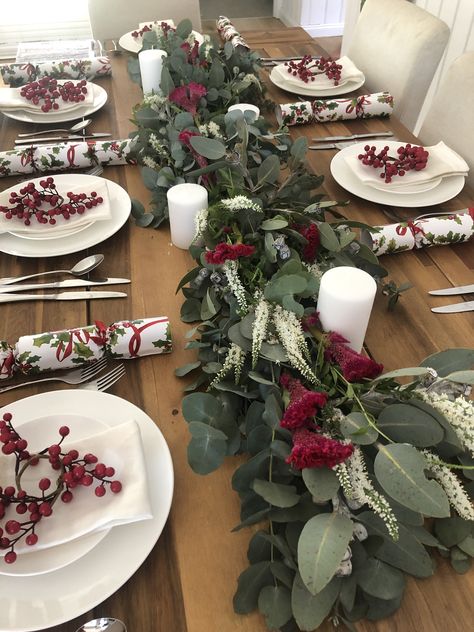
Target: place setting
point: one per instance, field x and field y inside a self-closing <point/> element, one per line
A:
<point x="51" y="100"/>
<point x="317" y="76"/>
<point x="133" y="41"/>
<point x="396" y="173"/>
<point x="52" y="216"/>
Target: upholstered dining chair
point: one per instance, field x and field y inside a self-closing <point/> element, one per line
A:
<point x="450" y="117"/>
<point x="112" y="18"/>
<point x="398" y="47"/>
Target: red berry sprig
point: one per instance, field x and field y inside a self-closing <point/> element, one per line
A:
<point x="73" y="470"/>
<point x="307" y="68"/>
<point x="164" y="26"/>
<point x="30" y="201"/>
<point x="48" y="91"/>
<point x="409" y="157"/>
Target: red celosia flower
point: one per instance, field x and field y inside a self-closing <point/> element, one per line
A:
<point x="311" y="320"/>
<point x="354" y="366"/>
<point x="304" y="404"/>
<point x="187" y="97"/>
<point x="192" y="52"/>
<point x="311" y="449"/>
<point x="471" y="212"/>
<point x="311" y="234"/>
<point x="185" y="137"/>
<point x="228" y="252"/>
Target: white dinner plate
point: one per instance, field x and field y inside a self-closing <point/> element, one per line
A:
<point x="27" y="604"/>
<point x="56" y="116"/>
<point x="314" y="92"/>
<point x="39" y="433"/>
<point x="134" y="44"/>
<point x="448" y="188"/>
<point x="420" y="187"/>
<point x="95" y="233"/>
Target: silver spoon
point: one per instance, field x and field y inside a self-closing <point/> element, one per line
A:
<point x="82" y="267"/>
<point x="77" y="127"/>
<point x="104" y="624"/>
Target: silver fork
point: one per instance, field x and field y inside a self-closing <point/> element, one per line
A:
<point x="105" y="381"/>
<point x="75" y="376"/>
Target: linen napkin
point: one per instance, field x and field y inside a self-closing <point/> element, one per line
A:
<point x="19" y="74"/>
<point x="10" y="99"/>
<point x="119" y="447"/>
<point x="349" y="74"/>
<point x="442" y="162"/>
<point x="97" y="213"/>
<point x="325" y="110"/>
<point x="446" y="230"/>
<point x="65" y="156"/>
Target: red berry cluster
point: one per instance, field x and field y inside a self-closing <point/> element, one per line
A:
<point x="47" y="91"/>
<point x="409" y="157"/>
<point x="164" y="26"/>
<point x="73" y="471"/>
<point x="307" y="68"/>
<point x="29" y="201"/>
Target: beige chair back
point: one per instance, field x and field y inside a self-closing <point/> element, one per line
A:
<point x="112" y="18"/>
<point x="398" y="47"/>
<point x="450" y="117"/>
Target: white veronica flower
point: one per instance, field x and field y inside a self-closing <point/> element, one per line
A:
<point x="200" y="223"/>
<point x="260" y="326"/>
<point x="149" y="162"/>
<point x="235" y="284"/>
<point x="459" y="413"/>
<point x="234" y="360"/>
<point x="240" y="202"/>
<point x="291" y="336"/>
<point x="352" y="475"/>
<point x="457" y="495"/>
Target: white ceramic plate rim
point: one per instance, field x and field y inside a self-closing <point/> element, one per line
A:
<point x="350" y="86"/>
<point x="134" y="45"/>
<point x="100" y="99"/>
<point x="28" y="605"/>
<point x="38" y="562"/>
<point x="342" y="174"/>
<point x="93" y="234"/>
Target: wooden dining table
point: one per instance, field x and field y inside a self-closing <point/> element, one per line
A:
<point x="187" y="582"/>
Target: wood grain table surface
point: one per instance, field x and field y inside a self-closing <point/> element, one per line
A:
<point x="188" y="581"/>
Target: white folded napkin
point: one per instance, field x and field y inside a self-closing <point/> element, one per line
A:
<point x="349" y="73"/>
<point x="119" y="447"/>
<point x="10" y="99"/>
<point x="100" y="212"/>
<point x="442" y="162"/>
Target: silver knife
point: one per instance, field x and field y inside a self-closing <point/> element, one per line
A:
<point x="467" y="306"/>
<point x="449" y="291"/>
<point x="60" y="284"/>
<point x="333" y="145"/>
<point x="353" y="136"/>
<point x="50" y="139"/>
<point x="61" y="296"/>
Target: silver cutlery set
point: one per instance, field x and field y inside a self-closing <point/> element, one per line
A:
<point x="81" y="376"/>
<point x="75" y="132"/>
<point x="465" y="306"/>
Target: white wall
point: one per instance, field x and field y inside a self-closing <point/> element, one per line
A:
<point x="319" y="18"/>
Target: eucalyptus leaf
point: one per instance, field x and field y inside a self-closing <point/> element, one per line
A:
<point x="166" y="82"/>
<point x="329" y="237"/>
<point x="449" y="361"/>
<point x="321" y="482"/>
<point x="399" y="469"/>
<point x="187" y="368"/>
<point x="274" y="602"/>
<point x="250" y="583"/>
<point x="210" y="148"/>
<point x="269" y="170"/>
<point x="417" y="371"/>
<point x="461" y="377"/>
<point x="381" y="608"/>
<point x="207" y="448"/>
<point x="451" y="531"/>
<point x="409" y="424"/>
<point x="202" y="407"/>
<point x="356" y="428"/>
<point x="321" y="547"/>
<point x="310" y="610"/>
<point x="274" y="224"/>
<point x="380" y="580"/>
<point x="276" y="494"/>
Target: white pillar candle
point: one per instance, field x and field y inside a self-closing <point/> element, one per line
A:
<point x="345" y="300"/>
<point x="246" y="107"/>
<point x="151" y="63"/>
<point x="184" y="203"/>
